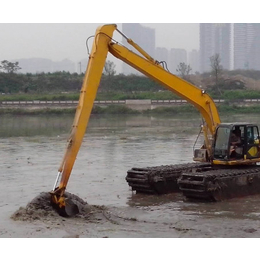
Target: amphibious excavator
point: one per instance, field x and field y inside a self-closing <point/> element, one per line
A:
<point x="221" y="169"/>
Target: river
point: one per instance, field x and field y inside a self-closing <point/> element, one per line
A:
<point x="32" y="148"/>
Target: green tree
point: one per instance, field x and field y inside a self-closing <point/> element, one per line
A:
<point x="9" y="67"/>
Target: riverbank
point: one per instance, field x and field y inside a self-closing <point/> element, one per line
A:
<point x="121" y="109"/>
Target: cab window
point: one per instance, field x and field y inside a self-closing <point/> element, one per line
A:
<point x="222" y="138"/>
<point x="252" y="135"/>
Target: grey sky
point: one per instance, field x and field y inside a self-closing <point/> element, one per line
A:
<point x="70" y="23"/>
<point x="58" y="41"/>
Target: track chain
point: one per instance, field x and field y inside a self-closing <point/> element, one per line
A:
<point x="159" y="179"/>
<point x="219" y="184"/>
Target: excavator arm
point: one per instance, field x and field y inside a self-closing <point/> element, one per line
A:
<point x="102" y="45"/>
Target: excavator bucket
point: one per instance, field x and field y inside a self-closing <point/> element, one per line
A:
<point x="71" y="209"/>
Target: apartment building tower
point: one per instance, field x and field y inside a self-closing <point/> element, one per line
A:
<point x="247" y="46"/>
<point x="193" y="61"/>
<point x="215" y="38"/>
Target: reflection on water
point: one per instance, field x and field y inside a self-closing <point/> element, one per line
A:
<point x="24" y="125"/>
<point x="52" y="125"/>
<point x="237" y="208"/>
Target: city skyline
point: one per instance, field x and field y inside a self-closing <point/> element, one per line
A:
<point x="68" y="41"/>
<point x="237" y="45"/>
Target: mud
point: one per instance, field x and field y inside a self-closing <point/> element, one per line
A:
<point x="109" y="207"/>
<point x="40" y="208"/>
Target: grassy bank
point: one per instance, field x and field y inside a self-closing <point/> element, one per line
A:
<point x="40" y="97"/>
<point x="101" y="96"/>
<point x="121" y="95"/>
<point x="122" y="110"/>
<point x="42" y="111"/>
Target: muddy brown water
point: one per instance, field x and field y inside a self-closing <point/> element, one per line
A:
<point x="31" y="149"/>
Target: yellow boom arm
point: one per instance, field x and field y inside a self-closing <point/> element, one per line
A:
<point x="103" y="44"/>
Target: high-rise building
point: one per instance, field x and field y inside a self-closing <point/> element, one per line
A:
<point x="143" y="36"/>
<point x="193" y="61"/>
<point x="247" y="46"/>
<point x="215" y="38"/>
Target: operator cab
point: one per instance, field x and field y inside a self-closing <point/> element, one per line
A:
<point x="236" y="141"/>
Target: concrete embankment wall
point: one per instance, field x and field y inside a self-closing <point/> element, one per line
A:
<point x="133" y="104"/>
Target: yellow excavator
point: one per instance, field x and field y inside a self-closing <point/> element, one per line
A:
<point x="200" y="179"/>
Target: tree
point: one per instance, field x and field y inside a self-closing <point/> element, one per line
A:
<point x="216" y="69"/>
<point x="109" y="69"/>
<point x="184" y="70"/>
<point x="9" y="67"/>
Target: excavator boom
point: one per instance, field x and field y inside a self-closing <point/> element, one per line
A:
<point x="88" y="94"/>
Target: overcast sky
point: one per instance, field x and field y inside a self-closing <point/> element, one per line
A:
<point x="68" y="40"/>
<point x="59" y="31"/>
